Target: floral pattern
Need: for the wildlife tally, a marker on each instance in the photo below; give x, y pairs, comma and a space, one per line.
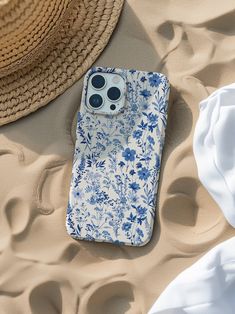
117, 163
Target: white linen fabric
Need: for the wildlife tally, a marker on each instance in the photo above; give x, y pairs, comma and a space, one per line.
207, 287
214, 148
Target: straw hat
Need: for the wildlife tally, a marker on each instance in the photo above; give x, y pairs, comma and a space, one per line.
45, 46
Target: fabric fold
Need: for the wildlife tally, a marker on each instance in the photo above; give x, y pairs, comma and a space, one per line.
207, 287
214, 148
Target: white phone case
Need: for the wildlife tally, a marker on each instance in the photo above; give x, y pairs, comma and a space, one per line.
117, 163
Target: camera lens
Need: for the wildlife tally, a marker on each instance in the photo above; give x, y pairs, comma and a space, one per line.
96, 101
98, 81
114, 93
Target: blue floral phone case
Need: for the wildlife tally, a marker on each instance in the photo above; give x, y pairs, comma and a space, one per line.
117, 163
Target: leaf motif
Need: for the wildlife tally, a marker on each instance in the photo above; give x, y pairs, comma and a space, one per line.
143, 125
131, 218
100, 164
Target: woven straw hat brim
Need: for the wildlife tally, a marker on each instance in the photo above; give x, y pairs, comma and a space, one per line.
45, 46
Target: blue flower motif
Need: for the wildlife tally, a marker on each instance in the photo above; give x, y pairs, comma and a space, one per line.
77, 193
137, 134
151, 140
144, 173
126, 226
132, 172
152, 118
93, 200
139, 232
139, 165
155, 80
141, 210
144, 105
129, 154
134, 107
145, 93
134, 186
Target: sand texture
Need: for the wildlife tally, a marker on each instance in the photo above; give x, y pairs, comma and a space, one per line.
43, 270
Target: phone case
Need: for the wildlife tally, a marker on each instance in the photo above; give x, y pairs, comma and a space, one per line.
117, 163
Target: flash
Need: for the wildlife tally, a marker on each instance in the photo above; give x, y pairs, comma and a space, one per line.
116, 79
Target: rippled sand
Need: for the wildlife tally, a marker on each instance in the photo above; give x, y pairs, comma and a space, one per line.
43, 270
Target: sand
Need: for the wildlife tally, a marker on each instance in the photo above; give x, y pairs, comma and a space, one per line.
43, 270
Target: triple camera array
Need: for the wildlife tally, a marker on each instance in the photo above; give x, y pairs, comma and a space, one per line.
113, 93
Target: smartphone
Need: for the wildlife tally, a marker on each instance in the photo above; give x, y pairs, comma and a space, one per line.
119, 140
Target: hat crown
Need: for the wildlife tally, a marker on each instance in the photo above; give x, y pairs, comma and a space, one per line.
26, 26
